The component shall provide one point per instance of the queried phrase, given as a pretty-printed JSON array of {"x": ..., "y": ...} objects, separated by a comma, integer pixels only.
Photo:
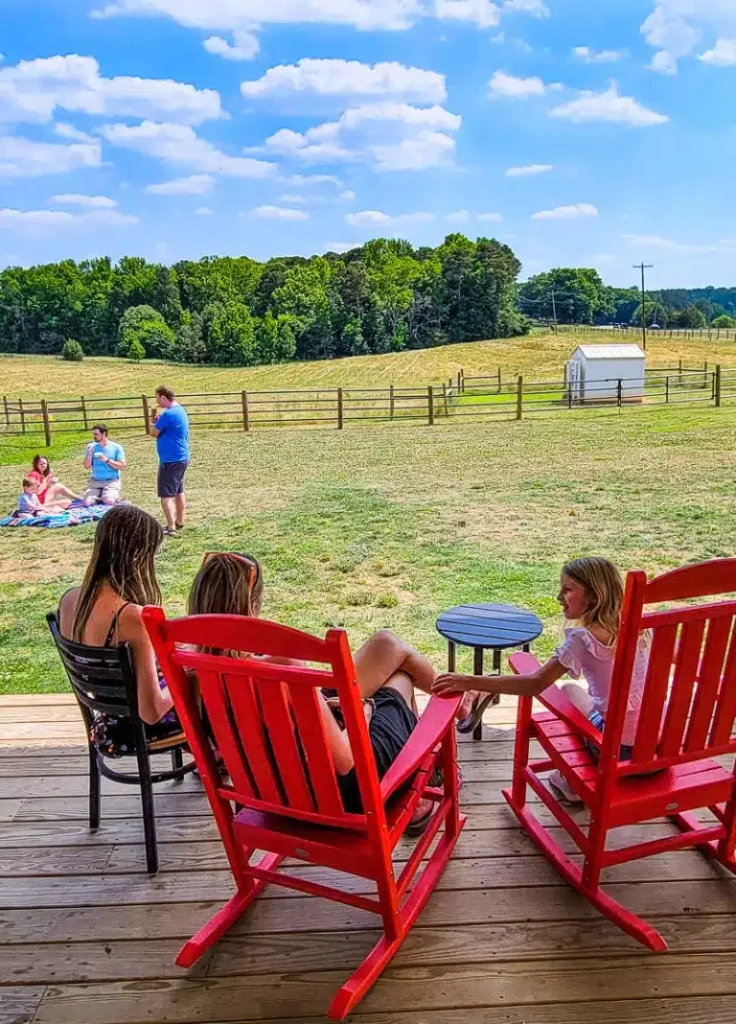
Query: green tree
[
  {"x": 724, "y": 322},
  {"x": 229, "y": 334},
  {"x": 136, "y": 351},
  {"x": 72, "y": 351},
  {"x": 146, "y": 325},
  {"x": 572, "y": 295},
  {"x": 190, "y": 346},
  {"x": 691, "y": 319}
]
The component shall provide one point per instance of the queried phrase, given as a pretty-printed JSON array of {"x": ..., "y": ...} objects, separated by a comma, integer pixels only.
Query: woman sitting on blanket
[
  {"x": 50, "y": 490},
  {"x": 387, "y": 670},
  {"x": 106, "y": 610}
]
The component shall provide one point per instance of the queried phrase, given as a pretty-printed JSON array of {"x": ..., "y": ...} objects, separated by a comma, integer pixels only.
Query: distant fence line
[
  {"x": 719, "y": 334},
  {"x": 461, "y": 396}
]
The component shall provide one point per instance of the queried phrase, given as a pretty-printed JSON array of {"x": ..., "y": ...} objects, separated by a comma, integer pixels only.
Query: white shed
[{"x": 594, "y": 371}]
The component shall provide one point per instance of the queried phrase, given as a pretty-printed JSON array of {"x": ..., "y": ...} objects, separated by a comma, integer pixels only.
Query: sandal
[
  {"x": 475, "y": 717},
  {"x": 418, "y": 826}
]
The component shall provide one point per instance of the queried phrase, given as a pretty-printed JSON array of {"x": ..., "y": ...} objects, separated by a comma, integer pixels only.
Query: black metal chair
[{"x": 103, "y": 680}]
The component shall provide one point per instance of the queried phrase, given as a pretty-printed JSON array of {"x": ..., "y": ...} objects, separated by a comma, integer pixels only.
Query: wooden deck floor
[{"x": 87, "y": 938}]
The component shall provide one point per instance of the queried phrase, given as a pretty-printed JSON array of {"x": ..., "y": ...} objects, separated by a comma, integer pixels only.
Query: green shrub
[
  {"x": 136, "y": 351},
  {"x": 72, "y": 351}
]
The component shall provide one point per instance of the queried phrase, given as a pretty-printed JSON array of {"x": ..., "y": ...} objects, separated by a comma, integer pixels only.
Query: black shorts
[{"x": 171, "y": 478}]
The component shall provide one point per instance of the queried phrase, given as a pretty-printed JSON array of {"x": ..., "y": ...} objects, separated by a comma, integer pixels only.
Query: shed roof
[{"x": 611, "y": 351}]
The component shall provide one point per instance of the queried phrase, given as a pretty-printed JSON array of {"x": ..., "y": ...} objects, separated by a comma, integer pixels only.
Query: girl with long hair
[
  {"x": 50, "y": 490},
  {"x": 591, "y": 594},
  {"x": 106, "y": 610},
  {"x": 387, "y": 671}
]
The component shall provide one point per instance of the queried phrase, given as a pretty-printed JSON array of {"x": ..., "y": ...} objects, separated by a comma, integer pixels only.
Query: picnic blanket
[{"x": 75, "y": 515}]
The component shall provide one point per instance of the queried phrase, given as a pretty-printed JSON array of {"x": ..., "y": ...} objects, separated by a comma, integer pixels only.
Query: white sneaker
[{"x": 561, "y": 789}]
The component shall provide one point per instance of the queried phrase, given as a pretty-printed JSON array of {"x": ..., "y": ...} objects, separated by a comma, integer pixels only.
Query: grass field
[
  {"x": 541, "y": 356},
  {"x": 389, "y": 526}
]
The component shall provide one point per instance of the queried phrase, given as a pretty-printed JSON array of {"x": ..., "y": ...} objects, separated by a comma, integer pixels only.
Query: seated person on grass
[
  {"x": 105, "y": 459},
  {"x": 387, "y": 670},
  {"x": 50, "y": 489},
  {"x": 30, "y": 505}
]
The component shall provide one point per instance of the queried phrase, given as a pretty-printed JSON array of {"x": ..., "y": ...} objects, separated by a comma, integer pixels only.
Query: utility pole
[
  {"x": 643, "y": 267},
  {"x": 554, "y": 309}
]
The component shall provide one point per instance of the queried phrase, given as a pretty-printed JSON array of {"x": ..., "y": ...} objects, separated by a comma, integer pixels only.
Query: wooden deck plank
[
  {"x": 421, "y": 988},
  {"x": 307, "y": 914},
  {"x": 18, "y": 1005}
]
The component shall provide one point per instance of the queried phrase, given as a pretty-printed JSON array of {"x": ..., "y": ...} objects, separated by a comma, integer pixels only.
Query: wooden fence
[
  {"x": 633, "y": 333},
  {"x": 474, "y": 397}
]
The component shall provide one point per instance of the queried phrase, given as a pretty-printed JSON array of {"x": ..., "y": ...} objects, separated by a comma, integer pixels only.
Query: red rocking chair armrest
[
  {"x": 438, "y": 716},
  {"x": 555, "y": 700}
]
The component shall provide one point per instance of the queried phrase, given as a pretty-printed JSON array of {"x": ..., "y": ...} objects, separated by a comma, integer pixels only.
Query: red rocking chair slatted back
[
  {"x": 688, "y": 706},
  {"x": 686, "y": 719},
  {"x": 258, "y": 703}
]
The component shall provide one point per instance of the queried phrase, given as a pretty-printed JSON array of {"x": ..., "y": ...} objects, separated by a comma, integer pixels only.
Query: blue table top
[{"x": 495, "y": 626}]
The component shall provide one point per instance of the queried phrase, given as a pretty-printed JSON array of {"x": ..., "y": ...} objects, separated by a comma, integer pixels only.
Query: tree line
[
  {"x": 572, "y": 295},
  {"x": 381, "y": 297}
]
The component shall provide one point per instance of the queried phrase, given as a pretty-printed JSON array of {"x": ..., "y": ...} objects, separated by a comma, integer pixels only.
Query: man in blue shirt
[
  {"x": 105, "y": 459},
  {"x": 170, "y": 427}
]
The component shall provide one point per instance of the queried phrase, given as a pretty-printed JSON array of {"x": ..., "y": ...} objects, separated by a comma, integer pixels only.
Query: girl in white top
[{"x": 591, "y": 594}]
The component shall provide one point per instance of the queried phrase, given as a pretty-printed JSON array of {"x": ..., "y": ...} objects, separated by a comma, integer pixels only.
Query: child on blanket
[
  {"x": 29, "y": 504},
  {"x": 591, "y": 594}
]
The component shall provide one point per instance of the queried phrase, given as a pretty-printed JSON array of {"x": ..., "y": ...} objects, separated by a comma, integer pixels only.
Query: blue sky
[{"x": 582, "y": 133}]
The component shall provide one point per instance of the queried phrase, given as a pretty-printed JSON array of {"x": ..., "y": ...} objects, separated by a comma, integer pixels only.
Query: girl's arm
[
  {"x": 530, "y": 685},
  {"x": 153, "y": 703},
  {"x": 338, "y": 741}
]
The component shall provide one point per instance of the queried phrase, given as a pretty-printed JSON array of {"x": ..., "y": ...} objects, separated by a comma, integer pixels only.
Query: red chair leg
[
  {"x": 225, "y": 918},
  {"x": 624, "y": 919},
  {"x": 355, "y": 988}
]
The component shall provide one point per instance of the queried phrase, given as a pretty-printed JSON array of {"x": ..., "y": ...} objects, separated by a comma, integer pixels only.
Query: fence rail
[{"x": 462, "y": 397}]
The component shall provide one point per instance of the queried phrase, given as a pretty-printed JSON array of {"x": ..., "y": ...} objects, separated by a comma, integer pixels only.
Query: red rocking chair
[
  {"x": 267, "y": 724},
  {"x": 686, "y": 719}
]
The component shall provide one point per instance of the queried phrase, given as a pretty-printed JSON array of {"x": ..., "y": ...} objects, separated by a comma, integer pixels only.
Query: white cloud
[
  {"x": 313, "y": 179},
  {"x": 723, "y": 54},
  {"x": 536, "y": 7},
  {"x": 91, "y": 202},
  {"x": 391, "y": 136},
  {"x": 204, "y": 211},
  {"x": 68, "y": 131},
  {"x": 483, "y": 13},
  {"x": 279, "y": 213},
  {"x": 33, "y": 90},
  {"x": 609, "y": 106},
  {"x": 23, "y": 158},
  {"x": 245, "y": 46},
  {"x": 490, "y": 218},
  {"x": 35, "y": 223},
  {"x": 348, "y": 195},
  {"x": 347, "y": 79},
  {"x": 528, "y": 170},
  {"x": 341, "y": 246},
  {"x": 459, "y": 217},
  {"x": 588, "y": 56},
  {"x": 577, "y": 210},
  {"x": 194, "y": 185},
  {"x": 376, "y": 218},
  {"x": 675, "y": 28},
  {"x": 293, "y": 200},
  {"x": 515, "y": 88},
  {"x": 657, "y": 242},
  {"x": 180, "y": 144}
]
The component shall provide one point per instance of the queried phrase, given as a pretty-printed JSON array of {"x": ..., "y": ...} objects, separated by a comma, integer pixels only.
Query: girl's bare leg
[
  {"x": 578, "y": 696},
  {"x": 57, "y": 491},
  {"x": 385, "y": 654}
]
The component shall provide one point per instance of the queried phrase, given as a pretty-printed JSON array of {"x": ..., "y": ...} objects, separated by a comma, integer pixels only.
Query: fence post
[
  {"x": 705, "y": 374},
  {"x": 619, "y": 393},
  {"x": 146, "y": 415},
  {"x": 459, "y": 380},
  {"x": 444, "y": 399},
  {"x": 462, "y": 381},
  {"x": 246, "y": 419},
  {"x": 717, "y": 386},
  {"x": 46, "y": 425},
  {"x": 519, "y": 397},
  {"x": 430, "y": 404},
  {"x": 499, "y": 380},
  {"x": 7, "y": 414},
  {"x": 391, "y": 402},
  {"x": 21, "y": 410},
  {"x": 84, "y": 413},
  {"x": 340, "y": 418},
  {"x": 667, "y": 391}
]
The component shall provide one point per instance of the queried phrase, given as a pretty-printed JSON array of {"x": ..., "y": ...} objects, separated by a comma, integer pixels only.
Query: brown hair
[
  {"x": 28, "y": 481},
  {"x": 36, "y": 460},
  {"x": 166, "y": 393},
  {"x": 123, "y": 557},
  {"x": 604, "y": 589},
  {"x": 101, "y": 427},
  {"x": 227, "y": 584}
]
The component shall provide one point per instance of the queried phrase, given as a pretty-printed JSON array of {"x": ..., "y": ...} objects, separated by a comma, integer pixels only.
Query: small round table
[{"x": 483, "y": 627}]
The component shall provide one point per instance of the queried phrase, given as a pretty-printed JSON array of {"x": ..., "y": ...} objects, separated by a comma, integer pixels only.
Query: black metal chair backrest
[{"x": 103, "y": 678}]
